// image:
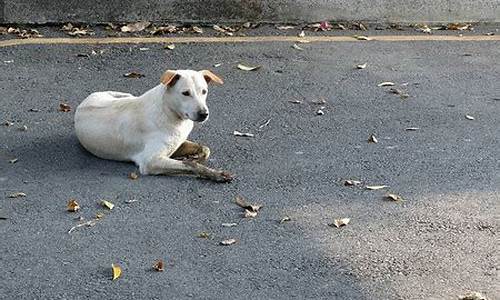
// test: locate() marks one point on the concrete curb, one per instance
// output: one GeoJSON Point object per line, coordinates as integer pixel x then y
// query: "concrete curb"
{"type": "Point", "coordinates": [401, 11]}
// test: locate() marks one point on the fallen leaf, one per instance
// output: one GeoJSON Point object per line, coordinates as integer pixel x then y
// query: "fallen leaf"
{"type": "Point", "coordinates": [8, 123]}
{"type": "Point", "coordinates": [163, 29]}
{"type": "Point", "coordinates": [158, 266]}
{"type": "Point", "coordinates": [196, 29]}
{"type": "Point", "coordinates": [297, 47]}
{"type": "Point", "coordinates": [372, 139]}
{"type": "Point", "coordinates": [473, 296]}
{"type": "Point", "coordinates": [340, 222]}
{"type": "Point", "coordinates": [302, 34]}
{"type": "Point", "coordinates": [285, 219]}
{"type": "Point", "coordinates": [394, 197]}
{"type": "Point", "coordinates": [412, 128]}
{"type": "Point", "coordinates": [117, 271]}
{"type": "Point", "coordinates": [133, 175]}
{"type": "Point", "coordinates": [248, 68]}
{"type": "Point", "coordinates": [458, 26]}
{"type": "Point", "coordinates": [170, 47]}
{"type": "Point", "coordinates": [99, 215]}
{"type": "Point", "coordinates": [351, 182]}
{"type": "Point", "coordinates": [17, 195]}
{"type": "Point", "coordinates": [399, 92]}
{"type": "Point", "coordinates": [64, 107]}
{"type": "Point", "coordinates": [228, 242]}
{"type": "Point", "coordinates": [23, 128]}
{"type": "Point", "coordinates": [489, 33]}
{"type": "Point", "coordinates": [285, 27]}
{"type": "Point", "coordinates": [362, 38]}
{"type": "Point", "coordinates": [243, 134]}
{"type": "Point", "coordinates": [361, 26]}
{"type": "Point", "coordinates": [250, 214]}
{"type": "Point", "coordinates": [376, 187]}
{"type": "Point", "coordinates": [469, 117]}
{"type": "Point", "coordinates": [107, 204]}
{"type": "Point", "coordinates": [246, 25]}
{"type": "Point", "coordinates": [110, 26]}
{"type": "Point", "coordinates": [341, 27]}
{"type": "Point", "coordinates": [76, 31]}
{"type": "Point", "coordinates": [241, 202]}
{"type": "Point", "coordinates": [223, 30]}
{"type": "Point", "coordinates": [423, 28]}
{"type": "Point", "coordinates": [13, 161]}
{"type": "Point", "coordinates": [229, 224]}
{"type": "Point", "coordinates": [133, 75]}
{"type": "Point", "coordinates": [361, 66]}
{"type": "Point", "coordinates": [73, 206]}
{"type": "Point", "coordinates": [203, 235]}
{"type": "Point", "coordinates": [386, 83]}
{"type": "Point", "coordinates": [135, 27]}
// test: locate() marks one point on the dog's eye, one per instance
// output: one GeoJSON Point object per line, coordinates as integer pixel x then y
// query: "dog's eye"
{"type": "Point", "coordinates": [204, 92]}
{"type": "Point", "coordinates": [186, 93]}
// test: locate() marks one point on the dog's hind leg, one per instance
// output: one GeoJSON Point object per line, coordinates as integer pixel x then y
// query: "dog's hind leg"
{"type": "Point", "coordinates": [197, 152]}
{"type": "Point", "coordinates": [162, 165]}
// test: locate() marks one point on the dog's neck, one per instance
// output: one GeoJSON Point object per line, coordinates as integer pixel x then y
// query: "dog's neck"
{"type": "Point", "coordinates": [161, 114]}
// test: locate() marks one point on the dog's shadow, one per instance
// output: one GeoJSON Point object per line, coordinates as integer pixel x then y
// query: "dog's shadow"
{"type": "Point", "coordinates": [63, 153]}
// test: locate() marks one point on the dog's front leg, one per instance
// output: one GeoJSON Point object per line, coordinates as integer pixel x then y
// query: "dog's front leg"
{"type": "Point", "coordinates": [189, 149]}
{"type": "Point", "coordinates": [162, 165]}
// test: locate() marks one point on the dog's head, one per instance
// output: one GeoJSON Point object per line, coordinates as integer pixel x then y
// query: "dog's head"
{"type": "Point", "coordinates": [187, 92]}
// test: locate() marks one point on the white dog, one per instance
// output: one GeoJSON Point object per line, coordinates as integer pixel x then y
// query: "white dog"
{"type": "Point", "coordinates": [151, 130]}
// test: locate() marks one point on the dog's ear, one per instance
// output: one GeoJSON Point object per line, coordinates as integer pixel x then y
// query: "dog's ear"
{"type": "Point", "coordinates": [169, 78]}
{"type": "Point", "coordinates": [209, 77]}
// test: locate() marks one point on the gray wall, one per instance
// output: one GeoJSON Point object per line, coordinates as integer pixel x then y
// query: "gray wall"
{"type": "Point", "coordinates": [99, 11]}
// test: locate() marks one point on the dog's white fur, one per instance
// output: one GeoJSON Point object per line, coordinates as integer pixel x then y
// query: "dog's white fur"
{"type": "Point", "coordinates": [147, 129]}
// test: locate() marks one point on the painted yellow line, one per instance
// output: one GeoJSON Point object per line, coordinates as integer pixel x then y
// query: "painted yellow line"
{"type": "Point", "coordinates": [237, 39]}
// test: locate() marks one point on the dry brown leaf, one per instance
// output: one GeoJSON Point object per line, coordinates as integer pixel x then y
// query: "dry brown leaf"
{"type": "Point", "coordinates": [386, 83]}
{"type": "Point", "coordinates": [99, 215]}
{"type": "Point", "coordinates": [17, 195]}
{"type": "Point", "coordinates": [351, 182]}
{"type": "Point", "coordinates": [228, 242]}
{"type": "Point", "coordinates": [241, 202]}
{"type": "Point", "coordinates": [362, 66]}
{"type": "Point", "coordinates": [459, 26]}
{"type": "Point", "coordinates": [362, 38]}
{"type": "Point", "coordinates": [226, 30]}
{"type": "Point", "coordinates": [163, 29]}
{"type": "Point", "coordinates": [340, 222]}
{"type": "Point", "coordinates": [243, 134]}
{"type": "Point", "coordinates": [372, 139]}
{"type": "Point", "coordinates": [133, 175]}
{"type": "Point", "coordinates": [107, 204]}
{"type": "Point", "coordinates": [133, 75]}
{"type": "Point", "coordinates": [158, 266]}
{"type": "Point", "coordinates": [64, 107]}
{"type": "Point", "coordinates": [376, 187]}
{"type": "Point", "coordinates": [170, 47]}
{"type": "Point", "coordinates": [248, 68]}
{"type": "Point", "coordinates": [285, 219]}
{"type": "Point", "coordinates": [117, 271]}
{"type": "Point", "coordinates": [394, 197]}
{"type": "Point", "coordinates": [203, 235]}
{"type": "Point", "coordinates": [469, 117]}
{"type": "Point", "coordinates": [73, 206]}
{"type": "Point", "coordinates": [135, 27]}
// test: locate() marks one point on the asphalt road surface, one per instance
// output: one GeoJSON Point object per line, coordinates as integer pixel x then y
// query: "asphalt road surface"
{"type": "Point", "coordinates": [441, 242]}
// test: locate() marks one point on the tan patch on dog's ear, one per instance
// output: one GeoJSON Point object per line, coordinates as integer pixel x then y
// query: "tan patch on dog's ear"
{"type": "Point", "coordinates": [209, 77]}
{"type": "Point", "coordinates": [169, 78]}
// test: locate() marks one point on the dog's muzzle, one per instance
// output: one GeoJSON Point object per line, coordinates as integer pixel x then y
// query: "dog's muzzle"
{"type": "Point", "coordinates": [202, 116]}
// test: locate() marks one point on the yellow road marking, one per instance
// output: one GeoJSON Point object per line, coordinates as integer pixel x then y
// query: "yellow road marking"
{"type": "Point", "coordinates": [237, 39]}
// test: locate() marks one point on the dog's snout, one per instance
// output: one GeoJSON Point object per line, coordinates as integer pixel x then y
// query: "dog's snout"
{"type": "Point", "coordinates": [202, 115]}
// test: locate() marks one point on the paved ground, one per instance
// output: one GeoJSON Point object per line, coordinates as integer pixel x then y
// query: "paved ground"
{"type": "Point", "coordinates": [438, 244]}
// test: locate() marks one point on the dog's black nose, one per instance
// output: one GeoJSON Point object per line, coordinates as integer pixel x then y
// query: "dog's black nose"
{"type": "Point", "coordinates": [202, 116]}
